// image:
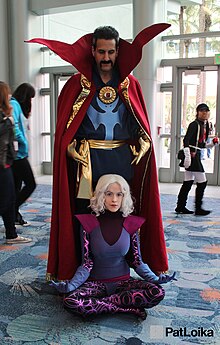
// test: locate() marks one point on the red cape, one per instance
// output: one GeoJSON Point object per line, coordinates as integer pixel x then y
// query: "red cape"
{"type": "Point", "coordinates": [79, 54]}
{"type": "Point", "coordinates": [63, 260]}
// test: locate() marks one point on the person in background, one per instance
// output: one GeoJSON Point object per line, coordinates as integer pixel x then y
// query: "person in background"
{"type": "Point", "coordinates": [206, 153]}
{"type": "Point", "coordinates": [211, 132]}
{"type": "Point", "coordinates": [23, 175]}
{"type": "Point", "coordinates": [7, 155]}
{"type": "Point", "coordinates": [110, 247]}
{"type": "Point", "coordinates": [194, 141]}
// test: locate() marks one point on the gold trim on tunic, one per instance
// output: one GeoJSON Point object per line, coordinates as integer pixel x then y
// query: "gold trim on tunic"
{"type": "Point", "coordinates": [86, 88]}
{"type": "Point", "coordinates": [84, 173]}
{"type": "Point", "coordinates": [124, 89]}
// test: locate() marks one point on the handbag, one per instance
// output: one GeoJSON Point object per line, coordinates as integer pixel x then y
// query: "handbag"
{"type": "Point", "coordinates": [181, 155]}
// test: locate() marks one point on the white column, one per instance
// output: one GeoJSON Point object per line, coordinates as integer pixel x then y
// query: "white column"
{"type": "Point", "coordinates": [4, 65]}
{"type": "Point", "coordinates": [146, 13]}
{"type": "Point", "coordinates": [18, 28]}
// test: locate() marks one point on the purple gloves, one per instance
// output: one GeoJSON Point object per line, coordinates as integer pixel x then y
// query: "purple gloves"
{"type": "Point", "coordinates": [144, 271]}
{"type": "Point", "coordinates": [62, 287]}
{"type": "Point", "coordinates": [78, 279]}
{"type": "Point", "coordinates": [165, 278]}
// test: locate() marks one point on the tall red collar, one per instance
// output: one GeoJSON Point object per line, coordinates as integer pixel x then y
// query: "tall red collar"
{"type": "Point", "coordinates": [79, 54]}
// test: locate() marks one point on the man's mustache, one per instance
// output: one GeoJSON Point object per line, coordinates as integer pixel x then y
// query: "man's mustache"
{"type": "Point", "coordinates": [106, 62]}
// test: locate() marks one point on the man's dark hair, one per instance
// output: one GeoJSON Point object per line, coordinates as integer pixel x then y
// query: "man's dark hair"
{"type": "Point", "coordinates": [106, 33]}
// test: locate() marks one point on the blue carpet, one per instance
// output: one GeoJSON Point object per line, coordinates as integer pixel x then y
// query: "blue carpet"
{"type": "Point", "coordinates": [32, 313]}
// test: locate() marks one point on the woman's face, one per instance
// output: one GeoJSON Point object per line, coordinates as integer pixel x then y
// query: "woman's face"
{"type": "Point", "coordinates": [113, 197]}
{"type": "Point", "coordinates": [203, 115]}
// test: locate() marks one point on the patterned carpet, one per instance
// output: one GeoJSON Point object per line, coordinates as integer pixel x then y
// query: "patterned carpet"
{"type": "Point", "coordinates": [32, 313]}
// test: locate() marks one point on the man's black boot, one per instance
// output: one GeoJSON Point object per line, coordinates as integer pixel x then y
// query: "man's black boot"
{"type": "Point", "coordinates": [199, 211]}
{"type": "Point", "coordinates": [182, 198]}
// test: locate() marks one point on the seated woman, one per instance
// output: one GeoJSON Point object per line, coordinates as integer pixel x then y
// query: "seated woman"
{"type": "Point", "coordinates": [110, 247]}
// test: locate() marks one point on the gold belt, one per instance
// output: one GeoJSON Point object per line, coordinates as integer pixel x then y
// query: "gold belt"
{"type": "Point", "coordinates": [105, 144]}
{"type": "Point", "coordinates": [84, 173]}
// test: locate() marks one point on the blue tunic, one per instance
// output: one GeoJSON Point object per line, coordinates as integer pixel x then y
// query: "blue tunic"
{"type": "Point", "coordinates": [109, 122]}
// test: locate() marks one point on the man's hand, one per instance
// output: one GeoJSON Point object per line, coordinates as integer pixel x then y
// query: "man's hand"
{"type": "Point", "coordinates": [187, 160]}
{"type": "Point", "coordinates": [71, 150]}
{"type": "Point", "coordinates": [145, 145]}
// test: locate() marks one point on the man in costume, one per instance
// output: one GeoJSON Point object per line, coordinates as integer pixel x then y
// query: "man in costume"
{"type": "Point", "coordinates": [102, 127]}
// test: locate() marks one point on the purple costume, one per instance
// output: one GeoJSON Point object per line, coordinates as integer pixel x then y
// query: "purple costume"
{"type": "Point", "coordinates": [102, 284]}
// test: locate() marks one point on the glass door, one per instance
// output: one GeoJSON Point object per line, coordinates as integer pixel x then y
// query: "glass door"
{"type": "Point", "coordinates": [198, 85]}
{"type": "Point", "coordinates": [54, 82]}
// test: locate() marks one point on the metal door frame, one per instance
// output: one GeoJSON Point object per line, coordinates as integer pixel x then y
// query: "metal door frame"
{"type": "Point", "coordinates": [53, 91]}
{"type": "Point", "coordinates": [172, 174]}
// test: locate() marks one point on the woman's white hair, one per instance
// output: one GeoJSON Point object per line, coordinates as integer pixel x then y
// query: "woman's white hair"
{"type": "Point", "coordinates": [97, 202]}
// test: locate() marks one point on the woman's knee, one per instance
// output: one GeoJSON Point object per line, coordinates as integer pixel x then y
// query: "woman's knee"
{"type": "Point", "coordinates": [156, 294]}
{"type": "Point", "coordinates": [161, 293]}
{"type": "Point", "coordinates": [69, 302]}
{"type": "Point", "coordinates": [30, 186]}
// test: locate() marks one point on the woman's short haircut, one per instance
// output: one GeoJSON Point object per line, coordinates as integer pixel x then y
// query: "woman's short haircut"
{"type": "Point", "coordinates": [97, 202]}
{"type": "Point", "coordinates": [106, 33]}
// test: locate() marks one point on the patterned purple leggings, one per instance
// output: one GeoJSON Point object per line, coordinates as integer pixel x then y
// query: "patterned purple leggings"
{"type": "Point", "coordinates": [130, 296]}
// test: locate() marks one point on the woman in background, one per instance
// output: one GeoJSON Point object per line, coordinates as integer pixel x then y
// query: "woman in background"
{"type": "Point", "coordinates": [194, 142]}
{"type": "Point", "coordinates": [23, 175]}
{"type": "Point", "coordinates": [7, 155]}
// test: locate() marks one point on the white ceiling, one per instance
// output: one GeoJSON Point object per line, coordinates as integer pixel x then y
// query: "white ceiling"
{"type": "Point", "coordinates": [41, 7]}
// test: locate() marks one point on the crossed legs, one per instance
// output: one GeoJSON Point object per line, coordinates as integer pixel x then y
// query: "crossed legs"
{"type": "Point", "coordinates": [131, 296]}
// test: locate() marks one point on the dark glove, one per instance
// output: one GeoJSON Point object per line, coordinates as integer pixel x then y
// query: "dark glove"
{"type": "Point", "coordinates": [144, 271]}
{"type": "Point", "coordinates": [165, 278]}
{"type": "Point", "coordinates": [62, 287]}
{"type": "Point", "coordinates": [81, 275]}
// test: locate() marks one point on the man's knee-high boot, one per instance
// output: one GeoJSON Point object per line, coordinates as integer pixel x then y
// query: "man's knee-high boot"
{"type": "Point", "coordinates": [182, 198]}
{"type": "Point", "coordinates": [199, 211]}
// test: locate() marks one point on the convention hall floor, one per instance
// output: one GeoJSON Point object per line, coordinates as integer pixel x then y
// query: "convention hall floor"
{"type": "Point", "coordinates": [31, 311]}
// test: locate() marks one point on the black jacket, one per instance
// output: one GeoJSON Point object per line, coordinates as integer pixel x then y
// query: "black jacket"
{"type": "Point", "coordinates": [191, 134]}
{"type": "Point", "coordinates": [191, 139]}
{"type": "Point", "coordinates": [7, 152]}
